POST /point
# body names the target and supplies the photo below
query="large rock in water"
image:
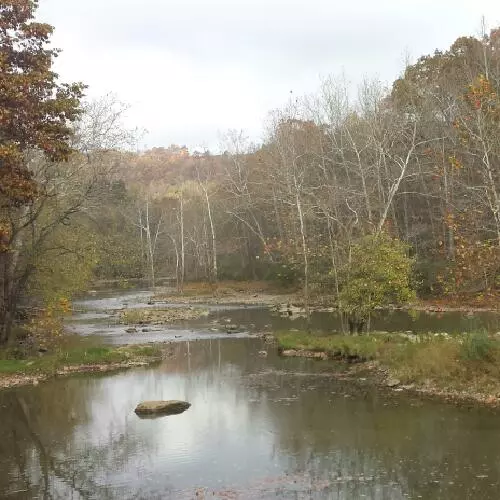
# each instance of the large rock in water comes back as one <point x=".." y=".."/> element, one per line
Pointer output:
<point x="149" y="408"/>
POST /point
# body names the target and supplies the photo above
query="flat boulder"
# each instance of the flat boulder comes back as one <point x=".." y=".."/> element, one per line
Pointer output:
<point x="151" y="408"/>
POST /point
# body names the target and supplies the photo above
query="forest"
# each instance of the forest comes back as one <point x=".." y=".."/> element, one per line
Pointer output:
<point x="417" y="161"/>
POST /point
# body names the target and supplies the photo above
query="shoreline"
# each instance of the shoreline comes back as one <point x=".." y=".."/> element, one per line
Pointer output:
<point x="460" y="369"/>
<point x="18" y="380"/>
<point x="260" y="294"/>
<point x="365" y="371"/>
<point x="35" y="371"/>
<point x="380" y="377"/>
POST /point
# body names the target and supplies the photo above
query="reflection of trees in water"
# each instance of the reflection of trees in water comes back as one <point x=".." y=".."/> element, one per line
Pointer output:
<point x="43" y="449"/>
<point x="421" y="449"/>
<point x="425" y="449"/>
<point x="70" y="438"/>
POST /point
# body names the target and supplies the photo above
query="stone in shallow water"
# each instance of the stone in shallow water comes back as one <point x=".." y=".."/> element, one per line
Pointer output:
<point x="161" y="408"/>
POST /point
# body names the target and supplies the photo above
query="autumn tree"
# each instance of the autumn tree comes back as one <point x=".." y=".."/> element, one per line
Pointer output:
<point x="36" y="112"/>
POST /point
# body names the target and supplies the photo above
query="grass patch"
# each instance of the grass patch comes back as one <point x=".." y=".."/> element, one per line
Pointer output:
<point x="336" y="346"/>
<point x="465" y="362"/>
<point x="87" y="355"/>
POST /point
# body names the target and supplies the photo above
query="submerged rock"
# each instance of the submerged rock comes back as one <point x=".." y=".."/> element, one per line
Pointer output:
<point x="173" y="407"/>
<point x="131" y="330"/>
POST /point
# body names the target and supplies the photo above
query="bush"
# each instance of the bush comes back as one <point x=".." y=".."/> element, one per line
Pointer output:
<point x="477" y="347"/>
<point x="283" y="274"/>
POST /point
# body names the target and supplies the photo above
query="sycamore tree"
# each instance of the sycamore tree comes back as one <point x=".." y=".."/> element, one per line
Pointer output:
<point x="36" y="113"/>
<point x="378" y="275"/>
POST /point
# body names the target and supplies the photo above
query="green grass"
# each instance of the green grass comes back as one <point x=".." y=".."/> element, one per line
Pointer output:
<point x="336" y="346"/>
<point x="76" y="356"/>
<point x="469" y="362"/>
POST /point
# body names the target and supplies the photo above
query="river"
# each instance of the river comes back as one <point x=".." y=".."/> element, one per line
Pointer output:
<point x="258" y="428"/>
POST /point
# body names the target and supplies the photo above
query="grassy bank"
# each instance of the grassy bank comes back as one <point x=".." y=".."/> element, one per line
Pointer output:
<point x="69" y="359"/>
<point x="467" y="364"/>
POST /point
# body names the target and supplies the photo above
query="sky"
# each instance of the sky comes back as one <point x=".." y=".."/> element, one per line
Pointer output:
<point x="192" y="69"/>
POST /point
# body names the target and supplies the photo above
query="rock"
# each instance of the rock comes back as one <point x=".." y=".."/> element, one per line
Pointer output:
<point x="42" y="349"/>
<point x="263" y="354"/>
<point x="232" y="328"/>
<point x="131" y="330"/>
<point x="304" y="354"/>
<point x="392" y="382"/>
<point x="173" y="407"/>
<point x="146" y="330"/>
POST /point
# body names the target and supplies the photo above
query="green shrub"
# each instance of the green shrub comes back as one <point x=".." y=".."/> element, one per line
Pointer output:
<point x="477" y="346"/>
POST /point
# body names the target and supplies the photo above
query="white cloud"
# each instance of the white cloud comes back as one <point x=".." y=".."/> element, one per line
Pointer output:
<point x="190" y="69"/>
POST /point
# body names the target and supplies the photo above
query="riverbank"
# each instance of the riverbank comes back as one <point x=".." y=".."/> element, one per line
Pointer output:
<point x="460" y="368"/>
<point x="266" y="293"/>
<point x="76" y="359"/>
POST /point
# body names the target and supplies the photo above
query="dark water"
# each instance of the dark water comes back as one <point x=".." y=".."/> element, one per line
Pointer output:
<point x="255" y="431"/>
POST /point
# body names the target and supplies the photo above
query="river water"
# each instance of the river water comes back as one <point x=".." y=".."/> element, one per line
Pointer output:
<point x="258" y="428"/>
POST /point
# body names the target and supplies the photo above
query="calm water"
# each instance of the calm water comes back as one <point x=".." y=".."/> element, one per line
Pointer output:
<point x="258" y="428"/>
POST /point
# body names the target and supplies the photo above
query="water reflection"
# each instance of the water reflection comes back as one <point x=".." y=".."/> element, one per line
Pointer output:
<point x="255" y="430"/>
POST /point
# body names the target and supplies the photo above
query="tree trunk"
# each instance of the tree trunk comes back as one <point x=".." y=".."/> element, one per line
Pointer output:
<point x="183" y="253"/>
<point x="304" y="250"/>
<point x="150" y="248"/>
<point x="8" y="305"/>
<point x="214" y="240"/>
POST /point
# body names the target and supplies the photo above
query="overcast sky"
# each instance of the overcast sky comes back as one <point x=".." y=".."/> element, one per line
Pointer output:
<point x="193" y="68"/>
